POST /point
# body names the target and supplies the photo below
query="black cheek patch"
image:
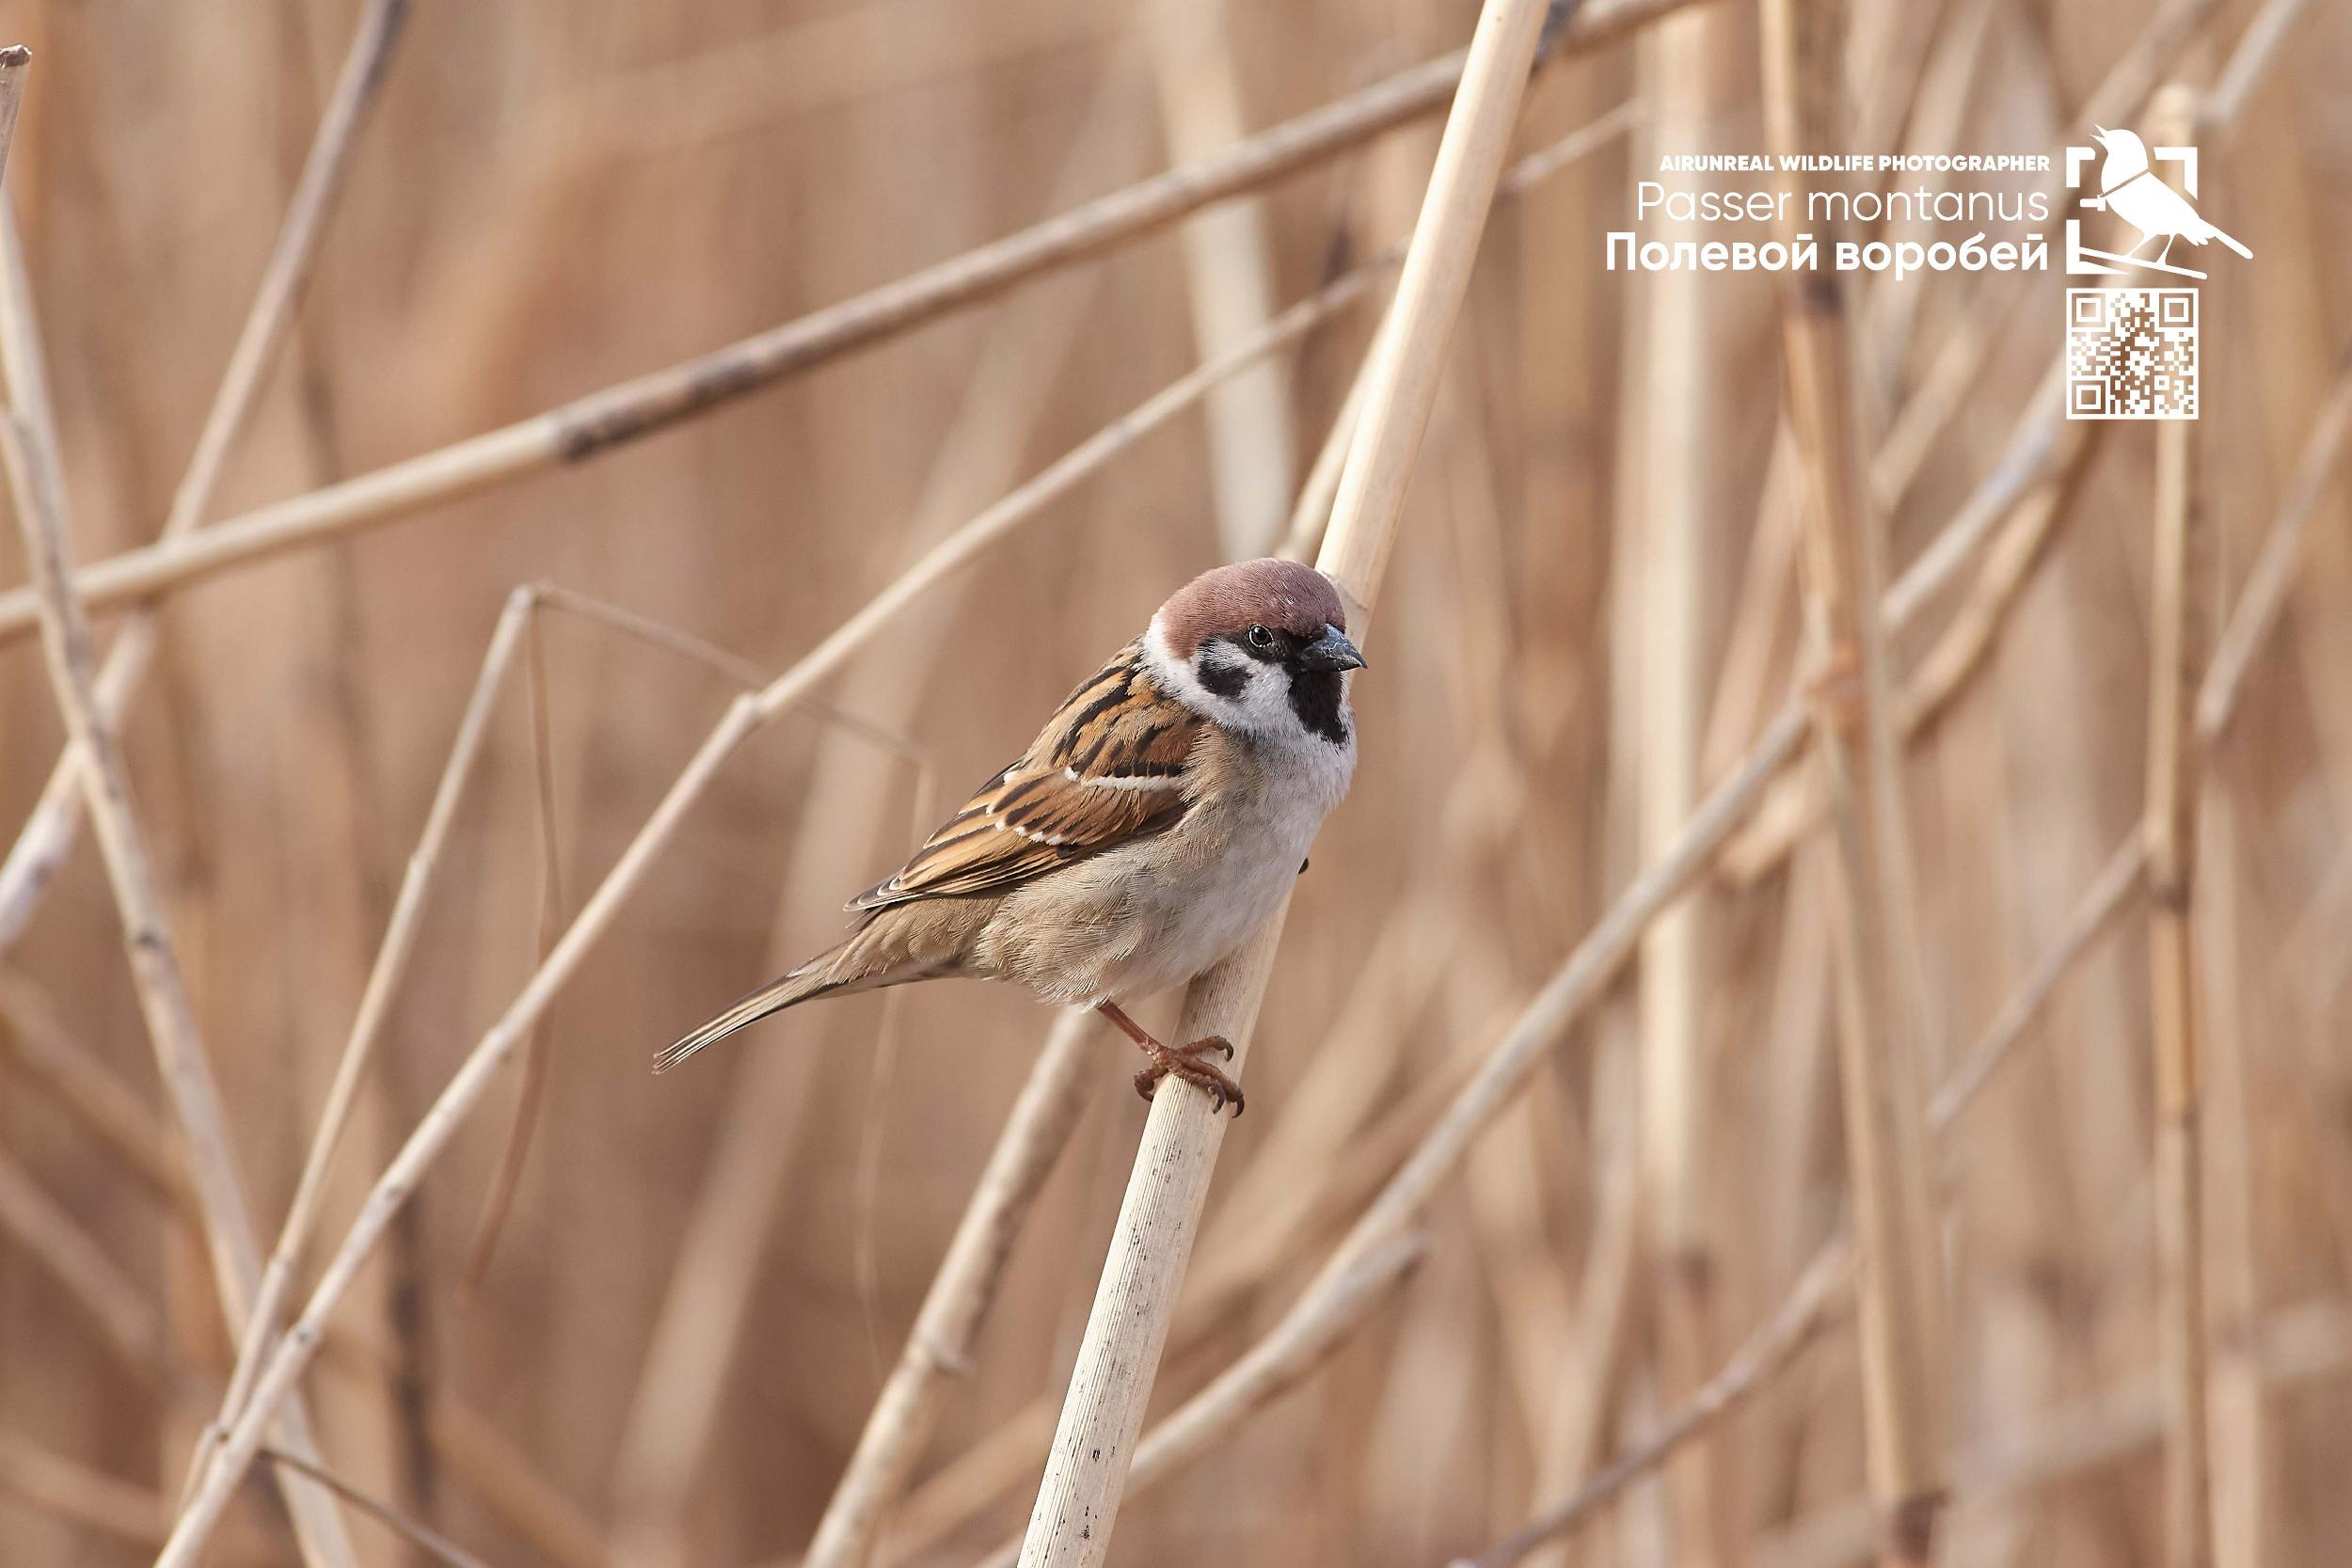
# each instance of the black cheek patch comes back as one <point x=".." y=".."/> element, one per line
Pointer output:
<point x="1221" y="679"/>
<point x="1315" y="698"/>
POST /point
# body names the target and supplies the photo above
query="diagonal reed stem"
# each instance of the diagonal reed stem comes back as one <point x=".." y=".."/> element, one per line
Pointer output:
<point x="743" y="717"/>
<point x="1086" y="1470"/>
<point x="49" y="834"/>
<point x="624" y="413"/>
<point x="155" y="971"/>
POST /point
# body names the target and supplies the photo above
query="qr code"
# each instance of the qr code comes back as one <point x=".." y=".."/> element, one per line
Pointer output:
<point x="2131" y="354"/>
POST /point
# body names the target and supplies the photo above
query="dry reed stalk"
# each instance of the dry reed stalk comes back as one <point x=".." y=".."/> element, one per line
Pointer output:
<point x="2108" y="898"/>
<point x="2293" y="1346"/>
<point x="1609" y="1294"/>
<point x="49" y="834"/>
<point x="1681" y="402"/>
<point x="1746" y="679"/>
<point x="1342" y="1095"/>
<point x="748" y="714"/>
<point x="505" y="1480"/>
<point x="13" y="59"/>
<point x="1303" y="534"/>
<point x="2257" y="46"/>
<point x="99" y="1502"/>
<point x="2175" y="654"/>
<point x="602" y="421"/>
<point x="1085" y="1466"/>
<point x="2264" y="595"/>
<point x="31" y="458"/>
<point x="501" y="1476"/>
<point x="1919" y="427"/>
<point x="1808" y="1308"/>
<point x="1103" y="1412"/>
<point x="384" y="976"/>
<point x="829" y="58"/>
<point x="1961" y="647"/>
<point x="1311" y="512"/>
<point x="1883" y="1013"/>
<point x="2027" y="464"/>
<point x="1584" y="974"/>
<point x="425" y="1539"/>
<point x="2033" y="443"/>
<point x="520" y="618"/>
<point x="946" y="1328"/>
<point x="1228" y="275"/>
<point x="115" y="1304"/>
<point x="36" y="1040"/>
<point x="507" y="1178"/>
<point x="1330" y="1162"/>
<point x="1941" y="87"/>
<point x="1581" y="981"/>
<point x="682" y="1379"/>
<point x="2239" y="1431"/>
<point x="1275" y="1364"/>
<point x="163" y="996"/>
<point x="2048" y="485"/>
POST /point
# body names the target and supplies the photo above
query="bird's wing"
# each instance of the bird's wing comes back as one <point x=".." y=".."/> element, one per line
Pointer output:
<point x="1109" y="767"/>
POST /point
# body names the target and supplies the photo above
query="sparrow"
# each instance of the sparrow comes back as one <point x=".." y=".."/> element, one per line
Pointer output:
<point x="1154" y="822"/>
<point x="2153" y="207"/>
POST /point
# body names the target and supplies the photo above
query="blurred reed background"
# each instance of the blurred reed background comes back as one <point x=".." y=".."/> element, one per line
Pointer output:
<point x="666" y="1352"/>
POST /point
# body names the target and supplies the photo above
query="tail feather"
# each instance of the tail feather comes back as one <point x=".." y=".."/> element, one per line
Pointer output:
<point x="909" y="941"/>
<point x="811" y="980"/>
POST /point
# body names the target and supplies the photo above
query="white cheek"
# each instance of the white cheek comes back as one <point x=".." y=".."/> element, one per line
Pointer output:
<point x="1263" y="702"/>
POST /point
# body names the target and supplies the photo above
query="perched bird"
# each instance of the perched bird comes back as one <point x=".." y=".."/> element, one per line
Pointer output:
<point x="2129" y="188"/>
<point x="1151" y="827"/>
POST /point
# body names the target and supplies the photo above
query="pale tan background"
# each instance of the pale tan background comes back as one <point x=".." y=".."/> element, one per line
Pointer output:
<point x="555" y="196"/>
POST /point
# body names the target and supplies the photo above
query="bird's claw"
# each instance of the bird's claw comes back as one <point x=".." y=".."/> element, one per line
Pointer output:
<point x="1183" y="1061"/>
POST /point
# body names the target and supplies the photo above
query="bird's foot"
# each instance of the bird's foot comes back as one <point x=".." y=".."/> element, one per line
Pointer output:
<point x="1185" y="1062"/>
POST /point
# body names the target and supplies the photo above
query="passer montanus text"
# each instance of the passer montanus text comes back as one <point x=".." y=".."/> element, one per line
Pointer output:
<point x="1150" y="827"/>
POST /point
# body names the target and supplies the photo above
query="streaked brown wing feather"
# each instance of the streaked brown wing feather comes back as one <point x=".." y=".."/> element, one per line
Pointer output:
<point x="1108" y="769"/>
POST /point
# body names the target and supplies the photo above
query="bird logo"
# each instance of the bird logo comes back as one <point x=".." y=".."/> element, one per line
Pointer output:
<point x="2129" y="188"/>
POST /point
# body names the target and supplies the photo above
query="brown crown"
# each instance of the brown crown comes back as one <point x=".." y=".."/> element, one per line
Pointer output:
<point x="1230" y="600"/>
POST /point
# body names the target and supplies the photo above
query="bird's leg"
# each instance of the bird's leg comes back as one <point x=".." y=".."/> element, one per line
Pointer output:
<point x="1178" y="1061"/>
<point x="2168" y="249"/>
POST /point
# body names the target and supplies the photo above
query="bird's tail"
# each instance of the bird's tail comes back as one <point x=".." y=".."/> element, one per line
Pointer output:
<point x="2232" y="243"/>
<point x="908" y="941"/>
<point x="812" y="979"/>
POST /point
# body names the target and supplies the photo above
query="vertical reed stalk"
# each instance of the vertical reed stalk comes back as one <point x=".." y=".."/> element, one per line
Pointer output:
<point x="156" y="975"/>
<point x="1086" y="1470"/>
<point x="2174" y="656"/>
<point x="948" y="1324"/>
<point x="1689" y="64"/>
<point x="1228" y="272"/>
<point x="48" y="836"/>
<point x="1882" y="1010"/>
<point x="384" y="975"/>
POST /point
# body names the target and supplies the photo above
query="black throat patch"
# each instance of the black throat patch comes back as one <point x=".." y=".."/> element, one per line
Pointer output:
<point x="1315" y="698"/>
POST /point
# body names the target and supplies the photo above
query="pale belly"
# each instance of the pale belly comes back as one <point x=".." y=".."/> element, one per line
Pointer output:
<point x="1155" y="914"/>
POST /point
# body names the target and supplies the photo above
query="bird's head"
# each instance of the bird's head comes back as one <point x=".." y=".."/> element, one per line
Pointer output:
<point x="2121" y="146"/>
<point x="1260" y="647"/>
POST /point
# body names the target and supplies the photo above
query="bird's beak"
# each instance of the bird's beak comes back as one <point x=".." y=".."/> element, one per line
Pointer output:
<point x="2098" y="134"/>
<point x="1331" y="651"/>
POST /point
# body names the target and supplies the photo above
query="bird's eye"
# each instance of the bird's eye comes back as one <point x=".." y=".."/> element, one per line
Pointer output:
<point x="1261" y="639"/>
